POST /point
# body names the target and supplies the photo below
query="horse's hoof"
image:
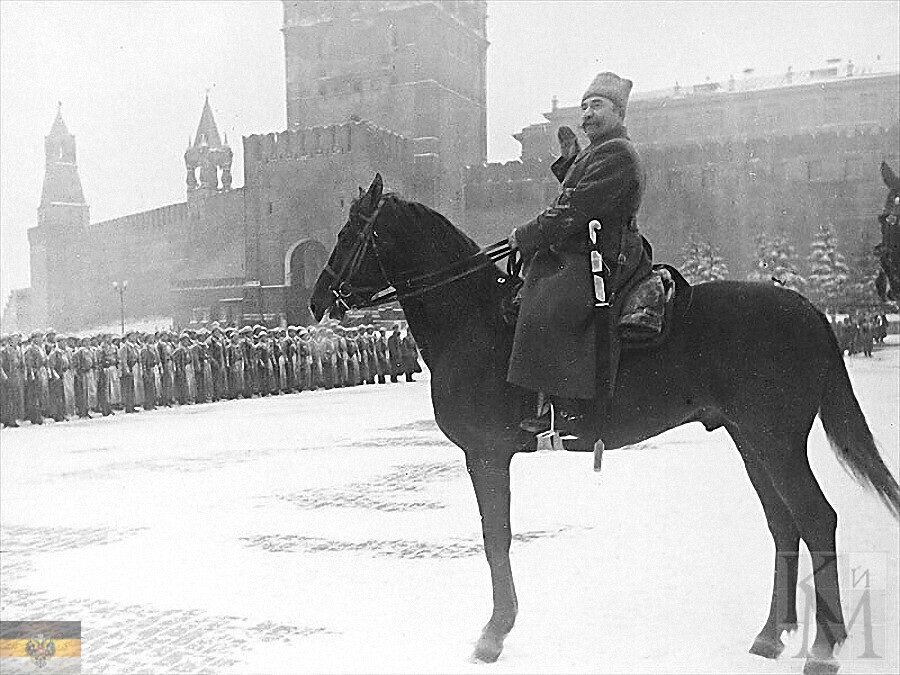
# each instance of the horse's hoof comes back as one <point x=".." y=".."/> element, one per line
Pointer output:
<point x="767" y="647"/>
<point x="821" y="666"/>
<point x="487" y="650"/>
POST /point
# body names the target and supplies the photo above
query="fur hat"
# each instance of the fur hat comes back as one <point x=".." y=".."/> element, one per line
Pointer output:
<point x="611" y="86"/>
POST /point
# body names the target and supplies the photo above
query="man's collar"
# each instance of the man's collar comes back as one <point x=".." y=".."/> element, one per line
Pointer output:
<point x="619" y="132"/>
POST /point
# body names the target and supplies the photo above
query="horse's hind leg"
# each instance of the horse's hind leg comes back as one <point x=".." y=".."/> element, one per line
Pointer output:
<point x="783" y="609"/>
<point x="785" y="461"/>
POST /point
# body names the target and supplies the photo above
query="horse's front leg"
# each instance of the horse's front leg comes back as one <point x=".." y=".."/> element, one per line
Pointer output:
<point x="490" y="478"/>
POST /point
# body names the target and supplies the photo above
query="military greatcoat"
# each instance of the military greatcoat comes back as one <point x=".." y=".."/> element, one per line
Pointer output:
<point x="555" y="345"/>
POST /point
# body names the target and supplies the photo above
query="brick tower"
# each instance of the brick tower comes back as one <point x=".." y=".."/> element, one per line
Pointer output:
<point x="416" y="68"/>
<point x="63" y="216"/>
<point x="210" y="155"/>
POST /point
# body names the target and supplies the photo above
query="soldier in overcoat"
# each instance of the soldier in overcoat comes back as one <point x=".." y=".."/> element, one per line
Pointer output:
<point x="235" y="357"/>
<point x="101" y="372"/>
<point x="149" y="364"/>
<point x="304" y="359"/>
<point x="83" y="363"/>
<point x="410" y="352"/>
<point x="395" y="353"/>
<point x="71" y="346"/>
<point x="58" y="364"/>
<point x="13" y="388"/>
<point x="382" y="362"/>
<point x="215" y="348"/>
<point x="129" y="358"/>
<point x="6" y="419"/>
<point x="164" y="349"/>
<point x="289" y="352"/>
<point x="35" y="376"/>
<point x="554" y="350"/>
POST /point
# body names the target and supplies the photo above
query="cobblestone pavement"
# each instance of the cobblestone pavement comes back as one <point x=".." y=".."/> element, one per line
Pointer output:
<point x="337" y="532"/>
<point x="94" y="513"/>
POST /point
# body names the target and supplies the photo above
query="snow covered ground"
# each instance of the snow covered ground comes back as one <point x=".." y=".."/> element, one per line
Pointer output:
<point x="337" y="532"/>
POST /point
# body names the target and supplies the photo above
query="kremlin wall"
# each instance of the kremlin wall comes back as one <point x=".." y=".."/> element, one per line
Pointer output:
<point x="725" y="161"/>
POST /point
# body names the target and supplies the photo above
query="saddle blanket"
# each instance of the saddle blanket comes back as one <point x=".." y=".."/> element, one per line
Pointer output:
<point x="644" y="307"/>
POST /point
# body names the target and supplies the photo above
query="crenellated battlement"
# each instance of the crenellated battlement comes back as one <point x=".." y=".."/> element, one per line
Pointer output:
<point x="713" y="151"/>
<point x="333" y="139"/>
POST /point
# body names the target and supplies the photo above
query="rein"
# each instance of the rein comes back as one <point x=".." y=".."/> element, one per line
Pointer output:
<point x="410" y="287"/>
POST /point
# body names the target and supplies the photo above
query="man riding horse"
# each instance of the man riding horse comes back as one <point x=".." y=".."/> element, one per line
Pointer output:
<point x="590" y="226"/>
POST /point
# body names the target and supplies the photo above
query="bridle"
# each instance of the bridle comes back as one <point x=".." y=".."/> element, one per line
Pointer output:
<point x="888" y="250"/>
<point x="403" y="288"/>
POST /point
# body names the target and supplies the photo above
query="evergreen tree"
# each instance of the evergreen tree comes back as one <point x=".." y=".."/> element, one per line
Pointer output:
<point x="777" y="262"/>
<point x="863" y="269"/>
<point x="765" y="260"/>
<point x="829" y="274"/>
<point x="787" y="264"/>
<point x="702" y="262"/>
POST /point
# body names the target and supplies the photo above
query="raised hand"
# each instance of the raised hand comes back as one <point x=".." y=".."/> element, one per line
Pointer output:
<point x="568" y="142"/>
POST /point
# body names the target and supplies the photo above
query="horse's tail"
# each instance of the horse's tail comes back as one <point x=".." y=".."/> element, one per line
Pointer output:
<point x="850" y="437"/>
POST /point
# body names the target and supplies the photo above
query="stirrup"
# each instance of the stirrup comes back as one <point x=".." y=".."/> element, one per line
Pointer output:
<point x="550" y="440"/>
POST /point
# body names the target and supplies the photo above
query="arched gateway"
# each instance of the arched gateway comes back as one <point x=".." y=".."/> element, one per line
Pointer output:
<point x="303" y="262"/>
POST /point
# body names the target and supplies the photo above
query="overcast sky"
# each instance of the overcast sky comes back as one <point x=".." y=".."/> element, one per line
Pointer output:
<point x="132" y="77"/>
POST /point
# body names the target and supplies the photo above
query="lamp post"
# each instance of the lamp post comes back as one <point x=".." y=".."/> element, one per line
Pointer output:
<point x="121" y="286"/>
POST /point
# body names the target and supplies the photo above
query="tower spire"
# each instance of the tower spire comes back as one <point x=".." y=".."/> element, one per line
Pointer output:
<point x="62" y="184"/>
<point x="208" y="154"/>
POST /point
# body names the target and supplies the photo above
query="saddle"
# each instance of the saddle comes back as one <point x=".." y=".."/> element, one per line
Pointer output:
<point x="643" y="308"/>
<point x="642" y="317"/>
<point x="647" y="307"/>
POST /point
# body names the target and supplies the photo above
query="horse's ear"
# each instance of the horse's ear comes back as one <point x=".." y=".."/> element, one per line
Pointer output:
<point x="361" y="193"/>
<point x="375" y="189"/>
<point x="889" y="177"/>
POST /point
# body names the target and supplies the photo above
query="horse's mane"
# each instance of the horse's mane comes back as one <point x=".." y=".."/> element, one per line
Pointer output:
<point x="426" y="222"/>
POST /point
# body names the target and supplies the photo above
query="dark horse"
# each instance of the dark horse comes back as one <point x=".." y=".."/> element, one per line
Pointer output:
<point x="754" y="358"/>
<point x="888" y="251"/>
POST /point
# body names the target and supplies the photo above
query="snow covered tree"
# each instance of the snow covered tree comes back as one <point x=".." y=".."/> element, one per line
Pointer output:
<point x="787" y="264"/>
<point x="863" y="269"/>
<point x="777" y="262"/>
<point x="702" y="262"/>
<point x="765" y="260"/>
<point x="829" y="275"/>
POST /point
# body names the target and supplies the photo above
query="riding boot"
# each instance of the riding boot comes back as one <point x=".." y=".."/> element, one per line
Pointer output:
<point x="569" y="417"/>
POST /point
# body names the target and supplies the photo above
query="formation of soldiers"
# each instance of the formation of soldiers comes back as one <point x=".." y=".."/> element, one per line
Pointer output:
<point x="60" y="377"/>
<point x="858" y="333"/>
